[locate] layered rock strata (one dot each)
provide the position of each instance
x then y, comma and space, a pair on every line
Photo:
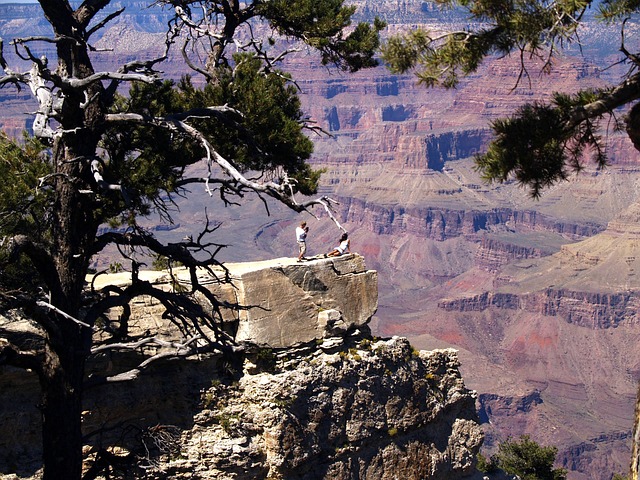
311, 396
442, 223
587, 309
592, 283
283, 302
493, 253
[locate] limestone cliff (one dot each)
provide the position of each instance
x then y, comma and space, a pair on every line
291, 302
378, 409
310, 395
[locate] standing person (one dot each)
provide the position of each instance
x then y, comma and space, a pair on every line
345, 246
301, 237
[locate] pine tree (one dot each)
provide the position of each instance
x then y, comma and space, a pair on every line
541, 143
106, 158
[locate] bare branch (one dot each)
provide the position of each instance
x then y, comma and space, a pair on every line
279, 191
139, 66
143, 342
10, 76
634, 58
207, 32
43, 304
59, 38
96, 77
192, 65
177, 251
15, 78
103, 22
12, 355
174, 350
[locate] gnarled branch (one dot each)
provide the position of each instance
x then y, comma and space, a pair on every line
11, 354
178, 123
174, 350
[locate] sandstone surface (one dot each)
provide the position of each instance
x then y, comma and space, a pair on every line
275, 303
284, 302
342, 406
397, 160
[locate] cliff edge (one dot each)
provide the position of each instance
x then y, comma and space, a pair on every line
310, 395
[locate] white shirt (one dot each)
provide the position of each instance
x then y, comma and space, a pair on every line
301, 235
344, 245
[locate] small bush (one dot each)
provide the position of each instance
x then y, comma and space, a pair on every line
266, 359
529, 460
115, 267
487, 465
160, 262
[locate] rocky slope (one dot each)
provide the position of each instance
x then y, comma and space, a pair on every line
443, 242
367, 409
339, 405
376, 410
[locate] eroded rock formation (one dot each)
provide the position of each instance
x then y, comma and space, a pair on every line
375, 410
311, 396
291, 302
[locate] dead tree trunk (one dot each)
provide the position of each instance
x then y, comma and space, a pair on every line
74, 227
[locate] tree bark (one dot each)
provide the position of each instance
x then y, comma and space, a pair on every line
61, 382
74, 227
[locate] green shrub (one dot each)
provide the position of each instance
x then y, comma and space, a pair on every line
266, 360
487, 465
529, 460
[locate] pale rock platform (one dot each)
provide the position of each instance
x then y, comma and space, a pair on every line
280, 302
283, 302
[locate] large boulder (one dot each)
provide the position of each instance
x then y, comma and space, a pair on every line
282, 302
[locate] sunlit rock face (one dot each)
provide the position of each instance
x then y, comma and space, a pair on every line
374, 410
282, 302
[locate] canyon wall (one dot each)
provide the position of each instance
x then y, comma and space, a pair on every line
551, 354
310, 402
375, 410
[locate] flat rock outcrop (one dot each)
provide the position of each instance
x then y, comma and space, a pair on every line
278, 303
283, 302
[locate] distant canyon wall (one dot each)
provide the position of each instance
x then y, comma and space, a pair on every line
454, 145
585, 309
442, 224
493, 253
